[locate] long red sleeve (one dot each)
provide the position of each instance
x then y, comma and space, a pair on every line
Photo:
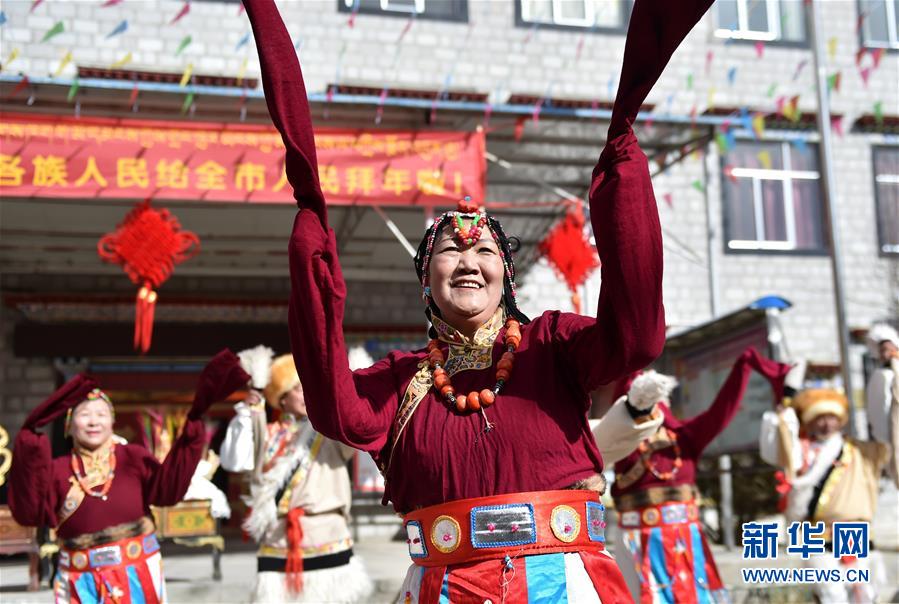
356, 411
166, 483
32, 498
695, 434
629, 330
285, 94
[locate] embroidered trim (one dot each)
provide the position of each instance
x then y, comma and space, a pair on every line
415, 540
565, 523
446, 534
265, 487
126, 530
482, 525
299, 477
596, 521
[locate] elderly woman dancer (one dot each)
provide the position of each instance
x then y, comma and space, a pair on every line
98, 498
483, 437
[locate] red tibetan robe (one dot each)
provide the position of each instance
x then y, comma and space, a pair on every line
542, 439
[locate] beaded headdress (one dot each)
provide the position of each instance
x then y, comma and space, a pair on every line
93, 395
468, 222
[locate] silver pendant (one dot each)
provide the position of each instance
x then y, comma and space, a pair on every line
103, 497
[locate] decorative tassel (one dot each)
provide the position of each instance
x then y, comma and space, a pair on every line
293, 571
144, 313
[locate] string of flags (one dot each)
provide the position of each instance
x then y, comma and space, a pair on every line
867, 62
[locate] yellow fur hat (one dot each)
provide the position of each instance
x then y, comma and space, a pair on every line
283, 378
815, 402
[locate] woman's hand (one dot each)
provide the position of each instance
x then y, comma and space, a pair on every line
219, 379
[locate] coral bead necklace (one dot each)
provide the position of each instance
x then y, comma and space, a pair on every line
82, 478
646, 454
475, 401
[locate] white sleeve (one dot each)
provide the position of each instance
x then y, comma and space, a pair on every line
617, 434
237, 453
770, 444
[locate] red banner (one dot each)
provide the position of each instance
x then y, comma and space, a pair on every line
50, 156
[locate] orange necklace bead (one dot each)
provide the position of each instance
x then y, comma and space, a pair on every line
82, 478
475, 401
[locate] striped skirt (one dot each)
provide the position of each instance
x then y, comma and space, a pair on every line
672, 563
128, 571
585, 577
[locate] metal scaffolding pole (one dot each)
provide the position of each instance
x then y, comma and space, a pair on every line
829, 198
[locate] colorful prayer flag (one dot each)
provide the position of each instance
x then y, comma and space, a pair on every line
832, 47
57, 29
185, 42
184, 10
185, 77
123, 61
66, 59
118, 29
759, 49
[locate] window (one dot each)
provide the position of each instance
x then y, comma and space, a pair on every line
772, 198
880, 23
764, 20
443, 10
886, 192
598, 14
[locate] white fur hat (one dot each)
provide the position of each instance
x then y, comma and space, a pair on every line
257, 362
880, 332
650, 388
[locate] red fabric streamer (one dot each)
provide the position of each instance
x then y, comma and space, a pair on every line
568, 251
293, 571
783, 487
148, 244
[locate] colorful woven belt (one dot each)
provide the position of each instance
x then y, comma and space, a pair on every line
671, 512
115, 553
516, 524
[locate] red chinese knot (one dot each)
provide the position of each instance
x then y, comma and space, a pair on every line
569, 252
147, 244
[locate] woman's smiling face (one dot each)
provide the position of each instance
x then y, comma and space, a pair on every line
466, 280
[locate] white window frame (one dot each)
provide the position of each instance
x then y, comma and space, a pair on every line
891, 7
893, 179
786, 175
385, 6
742, 31
556, 19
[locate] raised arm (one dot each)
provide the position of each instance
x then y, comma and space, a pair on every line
629, 330
32, 498
285, 95
697, 432
356, 410
167, 482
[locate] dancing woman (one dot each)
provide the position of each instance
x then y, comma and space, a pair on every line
663, 552
98, 498
483, 437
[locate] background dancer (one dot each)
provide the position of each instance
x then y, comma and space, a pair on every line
99, 497
498, 522
663, 552
829, 477
299, 495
